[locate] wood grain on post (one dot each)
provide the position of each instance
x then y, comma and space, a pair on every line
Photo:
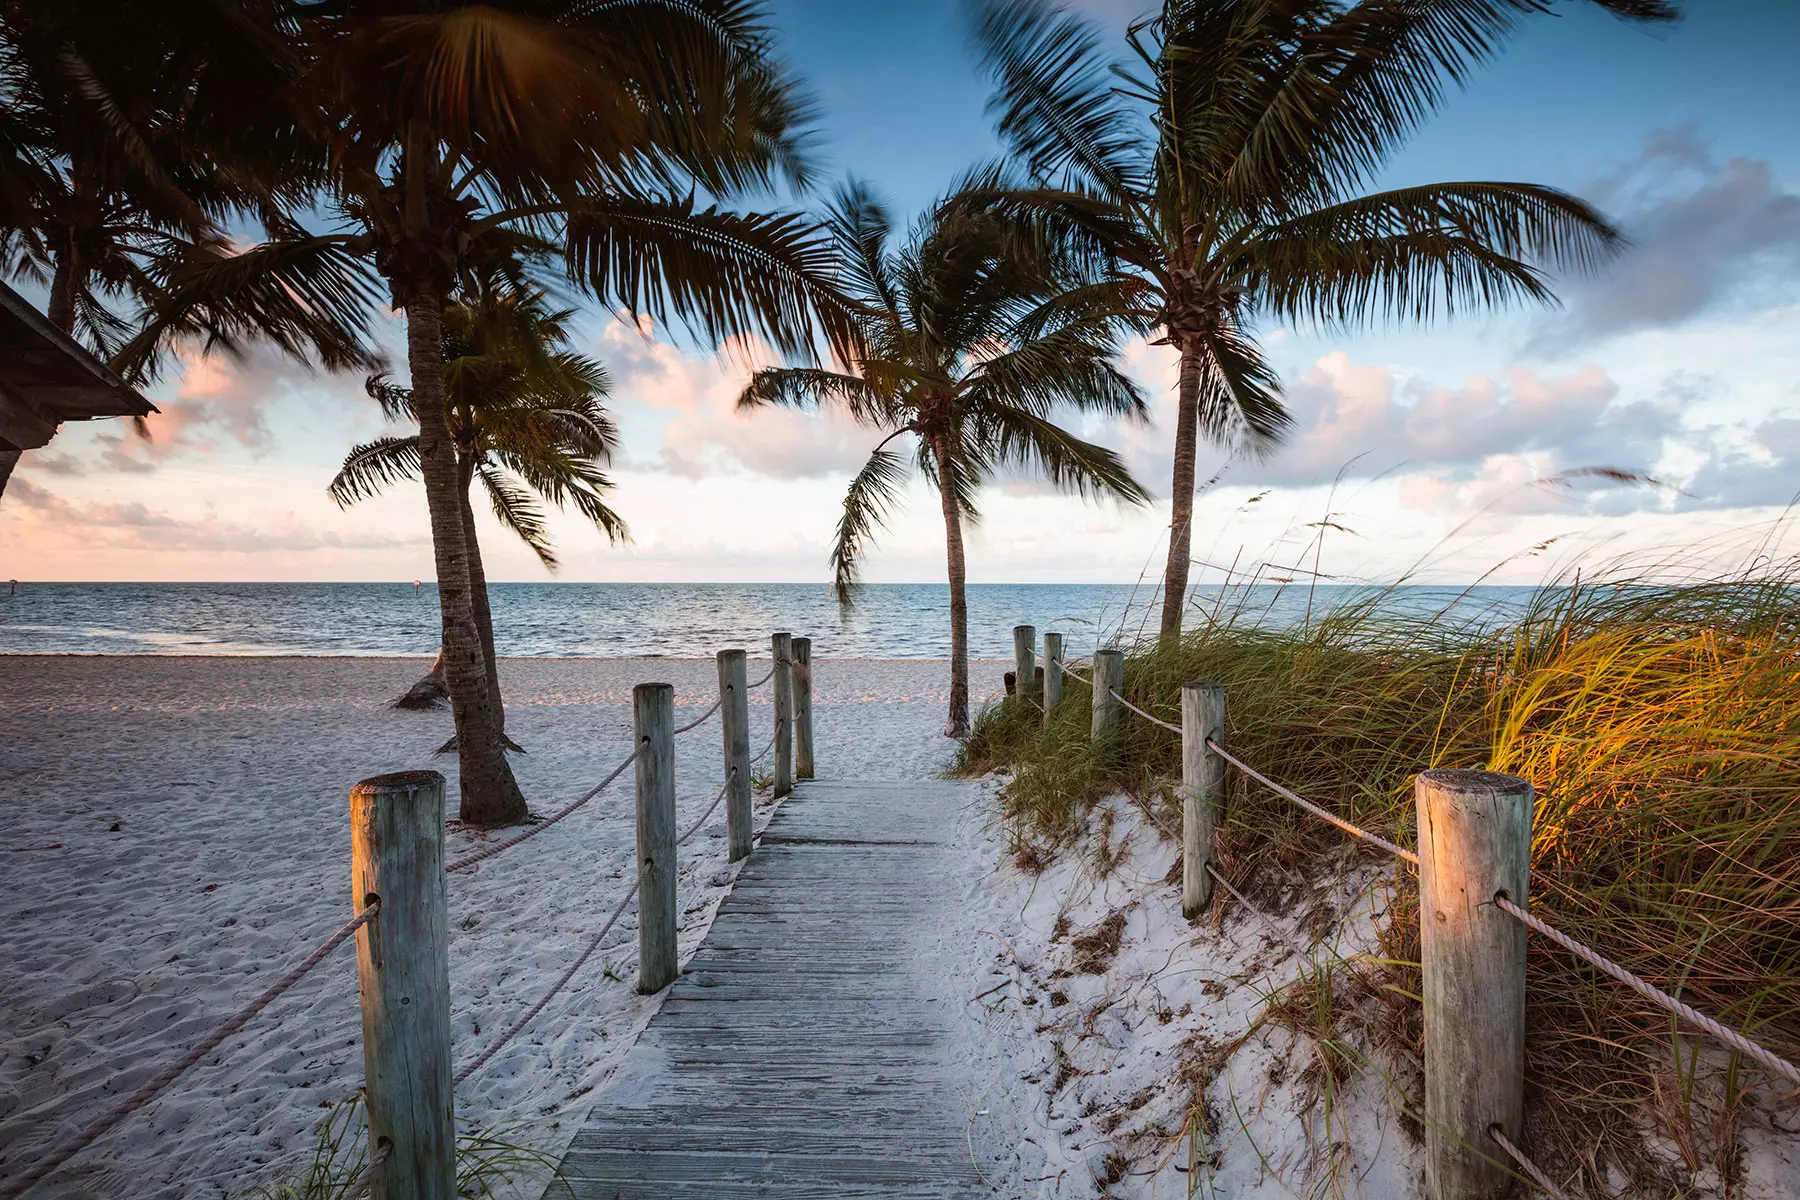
782, 645
803, 739
1025, 657
1474, 842
1053, 672
1202, 789
734, 720
1109, 677
403, 978
653, 722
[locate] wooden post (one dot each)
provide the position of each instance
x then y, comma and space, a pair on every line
803, 739
1053, 672
653, 721
403, 978
1025, 657
1474, 842
782, 644
1109, 677
1202, 789
734, 719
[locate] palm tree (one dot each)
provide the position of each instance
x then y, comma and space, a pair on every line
526, 417
972, 343
1218, 179
468, 141
130, 130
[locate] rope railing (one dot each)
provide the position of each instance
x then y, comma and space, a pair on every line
99, 1126
412, 803
587, 952
1651, 992
1500, 804
1532, 1171
1374, 839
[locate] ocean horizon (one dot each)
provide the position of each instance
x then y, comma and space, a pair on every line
645, 620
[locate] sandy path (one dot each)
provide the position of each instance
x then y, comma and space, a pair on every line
176, 834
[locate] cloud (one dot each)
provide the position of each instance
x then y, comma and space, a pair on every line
219, 402
136, 526
1704, 233
695, 399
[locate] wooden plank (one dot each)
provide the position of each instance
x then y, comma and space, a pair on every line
807, 1050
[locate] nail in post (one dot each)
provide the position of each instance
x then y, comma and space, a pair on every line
1025, 656
1053, 672
1474, 842
782, 645
403, 978
803, 739
653, 723
1202, 789
1109, 677
734, 716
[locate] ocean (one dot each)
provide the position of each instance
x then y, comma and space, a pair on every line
630, 620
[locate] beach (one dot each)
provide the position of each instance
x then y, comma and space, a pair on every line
177, 837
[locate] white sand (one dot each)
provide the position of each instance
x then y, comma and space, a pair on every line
177, 835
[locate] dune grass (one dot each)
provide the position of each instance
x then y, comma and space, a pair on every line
1660, 725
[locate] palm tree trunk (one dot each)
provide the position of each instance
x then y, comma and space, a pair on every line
957, 725
478, 591
1181, 495
490, 795
65, 284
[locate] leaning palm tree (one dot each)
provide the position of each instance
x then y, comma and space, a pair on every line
527, 419
468, 140
1218, 176
974, 340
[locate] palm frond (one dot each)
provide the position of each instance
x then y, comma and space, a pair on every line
372, 467
1024, 439
871, 496
725, 274
517, 511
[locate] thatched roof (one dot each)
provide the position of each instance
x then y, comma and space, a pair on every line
46, 378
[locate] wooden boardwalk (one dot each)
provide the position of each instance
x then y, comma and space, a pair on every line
808, 1049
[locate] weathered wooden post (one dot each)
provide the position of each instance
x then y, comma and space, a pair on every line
803, 739
783, 646
403, 978
1109, 677
1025, 657
1474, 843
653, 721
1202, 789
734, 720
1053, 672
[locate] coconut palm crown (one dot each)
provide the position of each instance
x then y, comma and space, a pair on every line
1219, 175
974, 340
527, 418
468, 142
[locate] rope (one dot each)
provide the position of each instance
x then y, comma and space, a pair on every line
1526, 1165
376, 1162
487, 852
481, 1060
1264, 917
106, 1121
1732, 1038
701, 719
695, 827
593, 944
1309, 806
1068, 670
1140, 712
753, 686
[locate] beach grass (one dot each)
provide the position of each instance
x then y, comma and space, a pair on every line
1660, 724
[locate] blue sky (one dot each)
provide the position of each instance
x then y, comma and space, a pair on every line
1680, 364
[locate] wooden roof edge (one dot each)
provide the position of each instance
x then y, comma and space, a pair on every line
27, 314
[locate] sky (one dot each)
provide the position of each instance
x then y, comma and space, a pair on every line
1461, 450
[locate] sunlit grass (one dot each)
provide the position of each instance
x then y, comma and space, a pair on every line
1660, 724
